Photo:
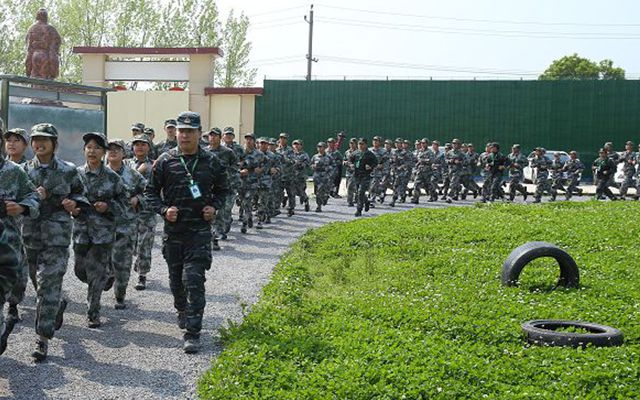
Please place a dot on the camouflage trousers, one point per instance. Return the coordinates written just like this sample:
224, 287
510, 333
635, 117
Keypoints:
222, 221
146, 233
287, 188
264, 203
188, 257
322, 187
48, 265
92, 267
422, 181
400, 182
515, 184
455, 184
362, 186
246, 196
17, 293
275, 197
574, 181
298, 189
378, 187
602, 188
9, 266
351, 189
626, 183
121, 259
543, 185
495, 189
469, 183
436, 177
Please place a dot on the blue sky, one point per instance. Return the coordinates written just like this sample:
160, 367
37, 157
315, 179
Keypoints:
453, 39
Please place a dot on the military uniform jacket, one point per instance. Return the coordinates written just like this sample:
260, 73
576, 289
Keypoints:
438, 161
229, 161
400, 161
542, 165
321, 165
573, 167
349, 161
16, 186
629, 166
52, 227
516, 164
102, 185
265, 179
362, 161
170, 186
287, 161
165, 146
337, 158
134, 184
424, 161
556, 167
455, 160
604, 168
146, 211
250, 161
22, 160
301, 162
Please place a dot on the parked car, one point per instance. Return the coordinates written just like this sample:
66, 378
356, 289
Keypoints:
530, 173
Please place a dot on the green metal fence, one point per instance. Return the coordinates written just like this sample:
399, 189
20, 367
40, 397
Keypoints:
560, 115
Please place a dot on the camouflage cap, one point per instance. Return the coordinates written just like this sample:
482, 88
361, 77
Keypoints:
436, 142
406, 141
362, 140
573, 152
331, 140
556, 154
284, 135
456, 141
21, 133
297, 141
447, 144
188, 120
495, 144
149, 131
273, 142
138, 126
44, 130
168, 123
246, 135
229, 131
353, 140
424, 140
388, 141
629, 143
321, 144
377, 138
99, 137
399, 140
216, 131
141, 138
601, 150
117, 142
608, 144
470, 145
515, 146
262, 139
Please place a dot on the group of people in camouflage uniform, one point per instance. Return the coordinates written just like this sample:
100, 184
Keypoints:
108, 207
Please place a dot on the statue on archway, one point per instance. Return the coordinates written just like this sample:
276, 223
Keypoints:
43, 48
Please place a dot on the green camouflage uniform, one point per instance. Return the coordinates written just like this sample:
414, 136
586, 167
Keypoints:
250, 161
349, 164
47, 236
165, 146
8, 272
15, 186
301, 162
423, 174
556, 168
126, 229
517, 162
277, 187
322, 166
573, 169
94, 233
378, 186
286, 179
234, 182
455, 160
265, 182
145, 225
628, 158
401, 172
229, 161
437, 166
364, 164
541, 164
603, 169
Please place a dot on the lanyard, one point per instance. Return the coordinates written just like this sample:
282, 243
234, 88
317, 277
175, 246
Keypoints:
189, 173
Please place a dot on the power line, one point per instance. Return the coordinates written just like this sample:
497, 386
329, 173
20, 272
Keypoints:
460, 31
426, 67
493, 21
276, 11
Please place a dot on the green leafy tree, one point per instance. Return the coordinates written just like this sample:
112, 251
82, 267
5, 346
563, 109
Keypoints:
234, 68
574, 67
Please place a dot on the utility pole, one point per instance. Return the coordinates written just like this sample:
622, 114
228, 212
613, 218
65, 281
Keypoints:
310, 58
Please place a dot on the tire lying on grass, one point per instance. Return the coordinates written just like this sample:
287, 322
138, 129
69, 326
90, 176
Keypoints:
545, 332
523, 255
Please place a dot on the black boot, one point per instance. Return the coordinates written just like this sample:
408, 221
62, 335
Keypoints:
142, 283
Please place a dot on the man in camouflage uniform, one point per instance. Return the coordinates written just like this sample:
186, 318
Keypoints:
497, 163
603, 167
378, 188
8, 276
233, 174
229, 161
265, 184
276, 194
301, 162
541, 164
422, 172
628, 161
573, 167
170, 142
16, 142
467, 178
146, 219
455, 159
136, 130
251, 169
15, 145
615, 157
94, 228
126, 222
349, 164
517, 162
401, 171
286, 179
437, 167
188, 185
151, 134
556, 169
47, 236
322, 165
446, 182
336, 171
364, 163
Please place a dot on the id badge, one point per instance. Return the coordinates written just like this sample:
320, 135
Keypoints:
195, 191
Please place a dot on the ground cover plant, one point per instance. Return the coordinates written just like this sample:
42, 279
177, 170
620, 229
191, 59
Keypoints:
410, 306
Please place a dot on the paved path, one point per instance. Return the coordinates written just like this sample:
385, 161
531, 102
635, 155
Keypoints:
137, 353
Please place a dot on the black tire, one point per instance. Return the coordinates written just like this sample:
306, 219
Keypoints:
543, 332
523, 255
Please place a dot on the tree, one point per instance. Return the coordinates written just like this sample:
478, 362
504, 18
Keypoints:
574, 67
234, 68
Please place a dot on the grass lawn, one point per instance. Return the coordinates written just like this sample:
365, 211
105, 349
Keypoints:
410, 306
